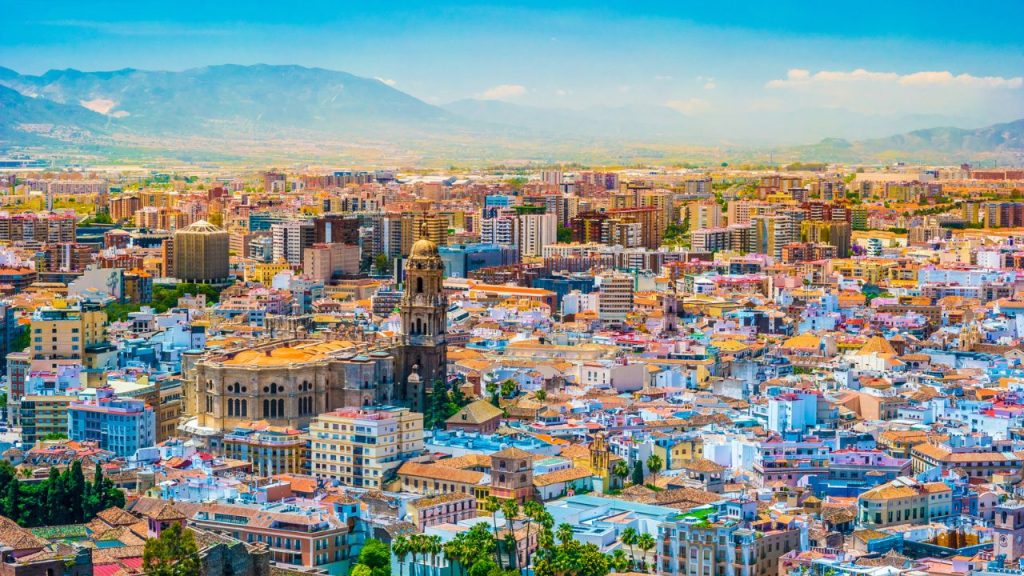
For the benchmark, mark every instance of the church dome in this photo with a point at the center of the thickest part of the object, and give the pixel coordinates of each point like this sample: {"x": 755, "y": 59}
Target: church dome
{"x": 424, "y": 248}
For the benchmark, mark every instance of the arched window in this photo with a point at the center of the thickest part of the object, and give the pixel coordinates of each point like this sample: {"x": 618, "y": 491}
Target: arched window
{"x": 419, "y": 285}
{"x": 280, "y": 408}
{"x": 266, "y": 408}
{"x": 245, "y": 407}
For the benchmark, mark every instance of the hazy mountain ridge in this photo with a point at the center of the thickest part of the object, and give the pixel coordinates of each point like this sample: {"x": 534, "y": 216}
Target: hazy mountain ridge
{"x": 232, "y": 100}
{"x": 277, "y": 108}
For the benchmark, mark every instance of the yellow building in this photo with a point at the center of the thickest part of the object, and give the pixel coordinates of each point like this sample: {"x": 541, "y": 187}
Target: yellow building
{"x": 264, "y": 273}
{"x": 869, "y": 270}
{"x": 364, "y": 447}
{"x": 677, "y": 452}
{"x": 65, "y": 334}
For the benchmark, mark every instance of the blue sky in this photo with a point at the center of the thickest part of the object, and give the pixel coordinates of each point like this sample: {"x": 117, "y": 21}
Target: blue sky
{"x": 951, "y": 59}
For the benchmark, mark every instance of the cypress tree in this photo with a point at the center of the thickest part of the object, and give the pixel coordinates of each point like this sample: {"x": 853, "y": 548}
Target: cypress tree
{"x": 55, "y": 499}
{"x": 638, "y": 472}
{"x": 12, "y": 500}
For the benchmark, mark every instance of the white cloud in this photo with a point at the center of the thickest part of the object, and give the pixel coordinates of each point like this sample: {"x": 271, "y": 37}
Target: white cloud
{"x": 504, "y": 92}
{"x": 877, "y": 92}
{"x": 387, "y": 81}
{"x": 710, "y": 84}
{"x": 689, "y": 106}
{"x": 561, "y": 92}
{"x": 662, "y": 77}
{"x": 798, "y": 77}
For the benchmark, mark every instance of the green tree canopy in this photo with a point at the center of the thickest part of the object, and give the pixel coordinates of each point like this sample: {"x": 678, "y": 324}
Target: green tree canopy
{"x": 173, "y": 553}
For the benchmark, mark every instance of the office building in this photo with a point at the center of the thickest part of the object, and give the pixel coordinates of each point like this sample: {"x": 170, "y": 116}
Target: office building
{"x": 290, "y": 239}
{"x": 201, "y": 253}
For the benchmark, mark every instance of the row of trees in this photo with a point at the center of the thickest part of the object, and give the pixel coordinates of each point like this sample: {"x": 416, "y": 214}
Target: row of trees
{"x": 63, "y": 498}
{"x": 480, "y": 552}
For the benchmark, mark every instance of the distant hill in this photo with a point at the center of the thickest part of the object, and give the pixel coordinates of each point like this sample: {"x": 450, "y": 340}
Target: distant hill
{"x": 229, "y": 100}
{"x": 38, "y": 120}
{"x": 931, "y": 144}
{"x": 265, "y": 111}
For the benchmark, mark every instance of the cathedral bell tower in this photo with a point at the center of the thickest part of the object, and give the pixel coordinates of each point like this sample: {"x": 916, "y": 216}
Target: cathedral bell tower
{"x": 424, "y": 312}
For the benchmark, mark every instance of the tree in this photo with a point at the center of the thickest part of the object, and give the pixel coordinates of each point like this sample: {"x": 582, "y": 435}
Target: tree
{"x": 541, "y": 395}
{"x": 55, "y": 499}
{"x": 400, "y": 547}
{"x": 492, "y": 389}
{"x": 621, "y": 469}
{"x": 630, "y": 537}
{"x": 654, "y": 464}
{"x": 12, "y": 501}
{"x": 436, "y": 412}
{"x": 492, "y": 505}
{"x": 381, "y": 263}
{"x": 619, "y": 561}
{"x": 361, "y": 570}
{"x": 510, "y": 509}
{"x": 376, "y": 556}
{"x": 508, "y": 388}
{"x": 532, "y": 510}
{"x": 564, "y": 534}
{"x": 76, "y": 493}
{"x": 646, "y": 543}
{"x": 173, "y": 553}
{"x": 432, "y": 547}
{"x": 638, "y": 472}
{"x": 564, "y": 235}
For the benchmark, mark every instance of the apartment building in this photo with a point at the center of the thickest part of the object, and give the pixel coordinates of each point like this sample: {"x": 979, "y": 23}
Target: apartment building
{"x": 307, "y": 536}
{"x": 363, "y": 447}
{"x": 64, "y": 333}
{"x": 729, "y": 542}
{"x": 272, "y": 450}
{"x": 121, "y": 425}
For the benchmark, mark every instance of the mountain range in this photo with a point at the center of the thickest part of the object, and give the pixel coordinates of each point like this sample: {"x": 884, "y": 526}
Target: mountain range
{"x": 265, "y": 110}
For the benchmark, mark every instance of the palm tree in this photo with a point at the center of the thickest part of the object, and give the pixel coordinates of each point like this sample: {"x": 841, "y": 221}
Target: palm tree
{"x": 510, "y": 509}
{"x": 629, "y": 537}
{"x": 510, "y": 546}
{"x": 621, "y": 469}
{"x": 646, "y": 543}
{"x": 564, "y": 533}
{"x": 619, "y": 561}
{"x": 432, "y": 546}
{"x": 654, "y": 465}
{"x": 492, "y": 505}
{"x": 415, "y": 548}
{"x": 400, "y": 548}
{"x": 455, "y": 551}
{"x": 532, "y": 510}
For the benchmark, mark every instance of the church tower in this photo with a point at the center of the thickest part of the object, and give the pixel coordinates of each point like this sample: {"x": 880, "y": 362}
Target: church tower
{"x": 424, "y": 312}
{"x": 670, "y": 309}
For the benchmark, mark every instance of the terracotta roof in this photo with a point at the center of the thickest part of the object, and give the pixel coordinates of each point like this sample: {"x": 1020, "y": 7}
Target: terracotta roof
{"x": 565, "y": 475}
{"x": 437, "y": 472}
{"x": 512, "y": 452}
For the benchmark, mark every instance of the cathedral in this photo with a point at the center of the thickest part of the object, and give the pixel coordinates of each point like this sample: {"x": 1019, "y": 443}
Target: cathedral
{"x": 288, "y": 380}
